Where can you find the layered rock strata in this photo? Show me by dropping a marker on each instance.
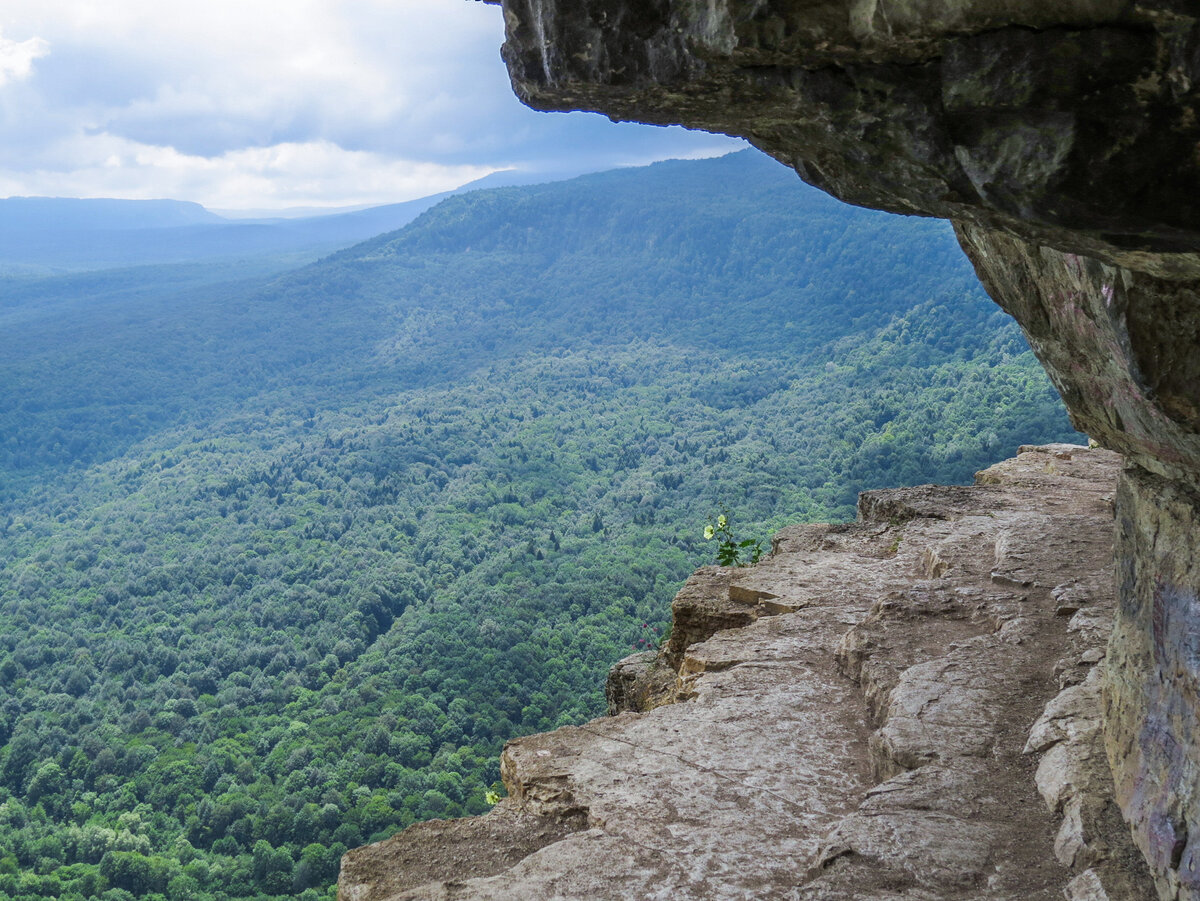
(903, 707)
(1061, 139)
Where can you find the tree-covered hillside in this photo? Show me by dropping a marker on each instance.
(284, 560)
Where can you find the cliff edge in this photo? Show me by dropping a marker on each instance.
(907, 706)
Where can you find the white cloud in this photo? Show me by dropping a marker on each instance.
(16, 57)
(241, 102)
(357, 74)
(315, 173)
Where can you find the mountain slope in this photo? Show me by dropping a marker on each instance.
(285, 560)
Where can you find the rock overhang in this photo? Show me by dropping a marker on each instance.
(1073, 124)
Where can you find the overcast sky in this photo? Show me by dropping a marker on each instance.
(265, 104)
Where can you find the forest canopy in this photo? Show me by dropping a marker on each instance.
(285, 558)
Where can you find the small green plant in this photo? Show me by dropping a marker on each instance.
(730, 551)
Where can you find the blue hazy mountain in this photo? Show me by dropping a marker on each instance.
(40, 235)
(96, 214)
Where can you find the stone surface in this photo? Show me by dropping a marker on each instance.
(865, 734)
(639, 683)
(701, 609)
(1152, 695)
(1120, 345)
(459, 849)
(1074, 780)
(1060, 138)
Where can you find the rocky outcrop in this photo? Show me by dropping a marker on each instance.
(1061, 139)
(903, 707)
(1152, 697)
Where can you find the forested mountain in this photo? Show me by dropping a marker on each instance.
(285, 558)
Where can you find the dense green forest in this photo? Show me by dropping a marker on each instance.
(285, 558)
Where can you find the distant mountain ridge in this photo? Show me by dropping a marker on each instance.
(73, 214)
(64, 234)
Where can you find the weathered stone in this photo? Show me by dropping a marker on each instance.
(1087, 887)
(1074, 715)
(928, 501)
(1074, 780)
(934, 850)
(443, 851)
(1110, 882)
(1069, 123)
(1120, 345)
(638, 683)
(758, 782)
(701, 609)
(939, 708)
(1152, 694)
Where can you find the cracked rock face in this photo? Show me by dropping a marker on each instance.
(1152, 698)
(1062, 140)
(861, 731)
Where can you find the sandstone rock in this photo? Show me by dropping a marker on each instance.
(942, 708)
(1087, 887)
(1074, 780)
(865, 743)
(639, 683)
(701, 609)
(1118, 343)
(445, 851)
(1074, 715)
(1109, 882)
(1001, 113)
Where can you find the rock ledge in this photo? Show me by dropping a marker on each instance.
(903, 707)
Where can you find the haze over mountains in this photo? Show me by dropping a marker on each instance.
(47, 235)
(285, 556)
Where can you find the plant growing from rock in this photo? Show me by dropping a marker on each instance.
(730, 551)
